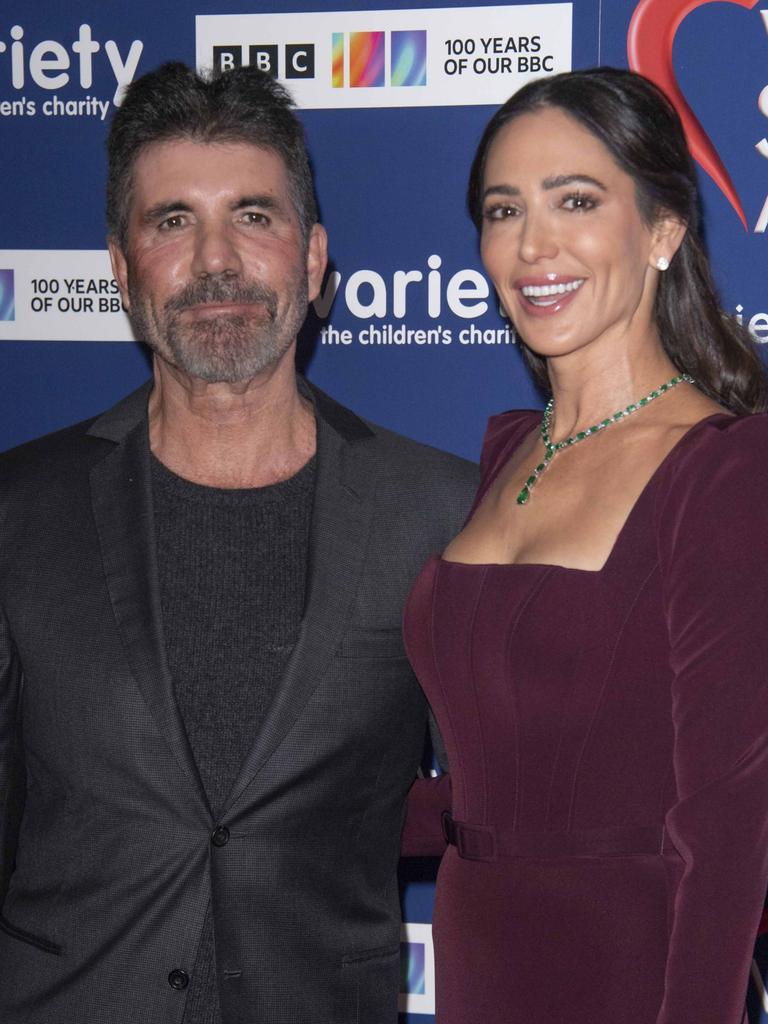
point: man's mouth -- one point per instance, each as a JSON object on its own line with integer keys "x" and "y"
{"x": 214, "y": 297}
{"x": 212, "y": 310}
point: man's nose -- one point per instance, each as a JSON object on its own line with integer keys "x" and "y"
{"x": 216, "y": 251}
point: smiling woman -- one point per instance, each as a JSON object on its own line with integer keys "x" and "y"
{"x": 593, "y": 641}
{"x": 568, "y": 252}
{"x": 625, "y": 120}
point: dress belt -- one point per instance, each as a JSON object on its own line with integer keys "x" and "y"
{"x": 486, "y": 842}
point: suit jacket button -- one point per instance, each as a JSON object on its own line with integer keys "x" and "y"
{"x": 220, "y": 835}
{"x": 178, "y": 979}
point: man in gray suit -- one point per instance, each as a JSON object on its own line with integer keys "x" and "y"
{"x": 207, "y": 722}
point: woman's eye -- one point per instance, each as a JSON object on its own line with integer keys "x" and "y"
{"x": 579, "y": 202}
{"x": 500, "y": 211}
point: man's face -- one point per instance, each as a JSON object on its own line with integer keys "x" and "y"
{"x": 215, "y": 274}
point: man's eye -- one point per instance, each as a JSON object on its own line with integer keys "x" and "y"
{"x": 255, "y": 217}
{"x": 171, "y": 223}
{"x": 500, "y": 211}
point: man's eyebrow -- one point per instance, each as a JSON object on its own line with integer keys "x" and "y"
{"x": 266, "y": 202}
{"x": 162, "y": 210}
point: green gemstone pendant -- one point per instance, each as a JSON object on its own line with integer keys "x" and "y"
{"x": 551, "y": 448}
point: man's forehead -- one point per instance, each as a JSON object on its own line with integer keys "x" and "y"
{"x": 196, "y": 161}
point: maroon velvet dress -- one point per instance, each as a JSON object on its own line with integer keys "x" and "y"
{"x": 607, "y": 735}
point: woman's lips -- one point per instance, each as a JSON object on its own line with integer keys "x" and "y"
{"x": 548, "y": 296}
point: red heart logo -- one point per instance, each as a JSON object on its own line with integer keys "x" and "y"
{"x": 649, "y": 49}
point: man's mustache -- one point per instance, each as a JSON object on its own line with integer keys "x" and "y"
{"x": 212, "y": 289}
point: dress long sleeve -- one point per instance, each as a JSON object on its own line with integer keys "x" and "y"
{"x": 607, "y": 733}
{"x": 713, "y": 551}
{"x": 423, "y": 832}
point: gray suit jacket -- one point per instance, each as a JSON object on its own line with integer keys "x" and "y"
{"x": 110, "y": 853}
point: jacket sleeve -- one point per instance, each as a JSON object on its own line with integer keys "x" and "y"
{"x": 423, "y": 831}
{"x": 12, "y": 780}
{"x": 712, "y": 532}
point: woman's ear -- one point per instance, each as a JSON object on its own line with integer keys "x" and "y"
{"x": 668, "y": 234}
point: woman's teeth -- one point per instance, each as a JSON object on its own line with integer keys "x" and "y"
{"x": 547, "y": 294}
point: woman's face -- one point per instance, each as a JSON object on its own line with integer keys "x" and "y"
{"x": 563, "y": 239}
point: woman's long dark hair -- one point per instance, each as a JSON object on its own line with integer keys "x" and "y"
{"x": 640, "y": 128}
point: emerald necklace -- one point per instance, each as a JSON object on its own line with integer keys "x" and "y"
{"x": 551, "y": 448}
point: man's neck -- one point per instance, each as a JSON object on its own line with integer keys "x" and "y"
{"x": 249, "y": 434}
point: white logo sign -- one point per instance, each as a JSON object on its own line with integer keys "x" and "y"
{"x": 60, "y": 295}
{"x": 418, "y": 957}
{"x": 50, "y": 65}
{"x": 413, "y": 58}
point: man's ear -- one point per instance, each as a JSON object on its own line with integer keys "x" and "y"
{"x": 119, "y": 269}
{"x": 317, "y": 259}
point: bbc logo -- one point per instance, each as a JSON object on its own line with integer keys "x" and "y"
{"x": 298, "y": 59}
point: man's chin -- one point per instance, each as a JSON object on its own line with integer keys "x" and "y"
{"x": 223, "y": 363}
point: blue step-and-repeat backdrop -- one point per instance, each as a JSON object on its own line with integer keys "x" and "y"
{"x": 407, "y": 330}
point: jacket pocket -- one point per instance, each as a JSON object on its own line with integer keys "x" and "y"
{"x": 31, "y": 940}
{"x": 373, "y": 978}
{"x": 380, "y": 953}
{"x": 371, "y": 643}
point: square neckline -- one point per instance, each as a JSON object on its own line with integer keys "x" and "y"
{"x": 506, "y": 455}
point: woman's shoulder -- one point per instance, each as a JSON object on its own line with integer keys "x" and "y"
{"x": 716, "y": 473}
{"x": 507, "y": 422}
{"x": 722, "y": 441}
{"x": 503, "y": 433}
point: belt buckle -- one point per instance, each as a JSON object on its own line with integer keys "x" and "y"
{"x": 476, "y": 842}
{"x": 472, "y": 842}
{"x": 448, "y": 827}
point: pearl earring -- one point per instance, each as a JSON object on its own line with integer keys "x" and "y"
{"x": 662, "y": 263}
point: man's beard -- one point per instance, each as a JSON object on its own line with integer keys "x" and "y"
{"x": 226, "y": 348}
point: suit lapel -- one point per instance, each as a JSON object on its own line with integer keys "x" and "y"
{"x": 341, "y": 520}
{"x": 121, "y": 495}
